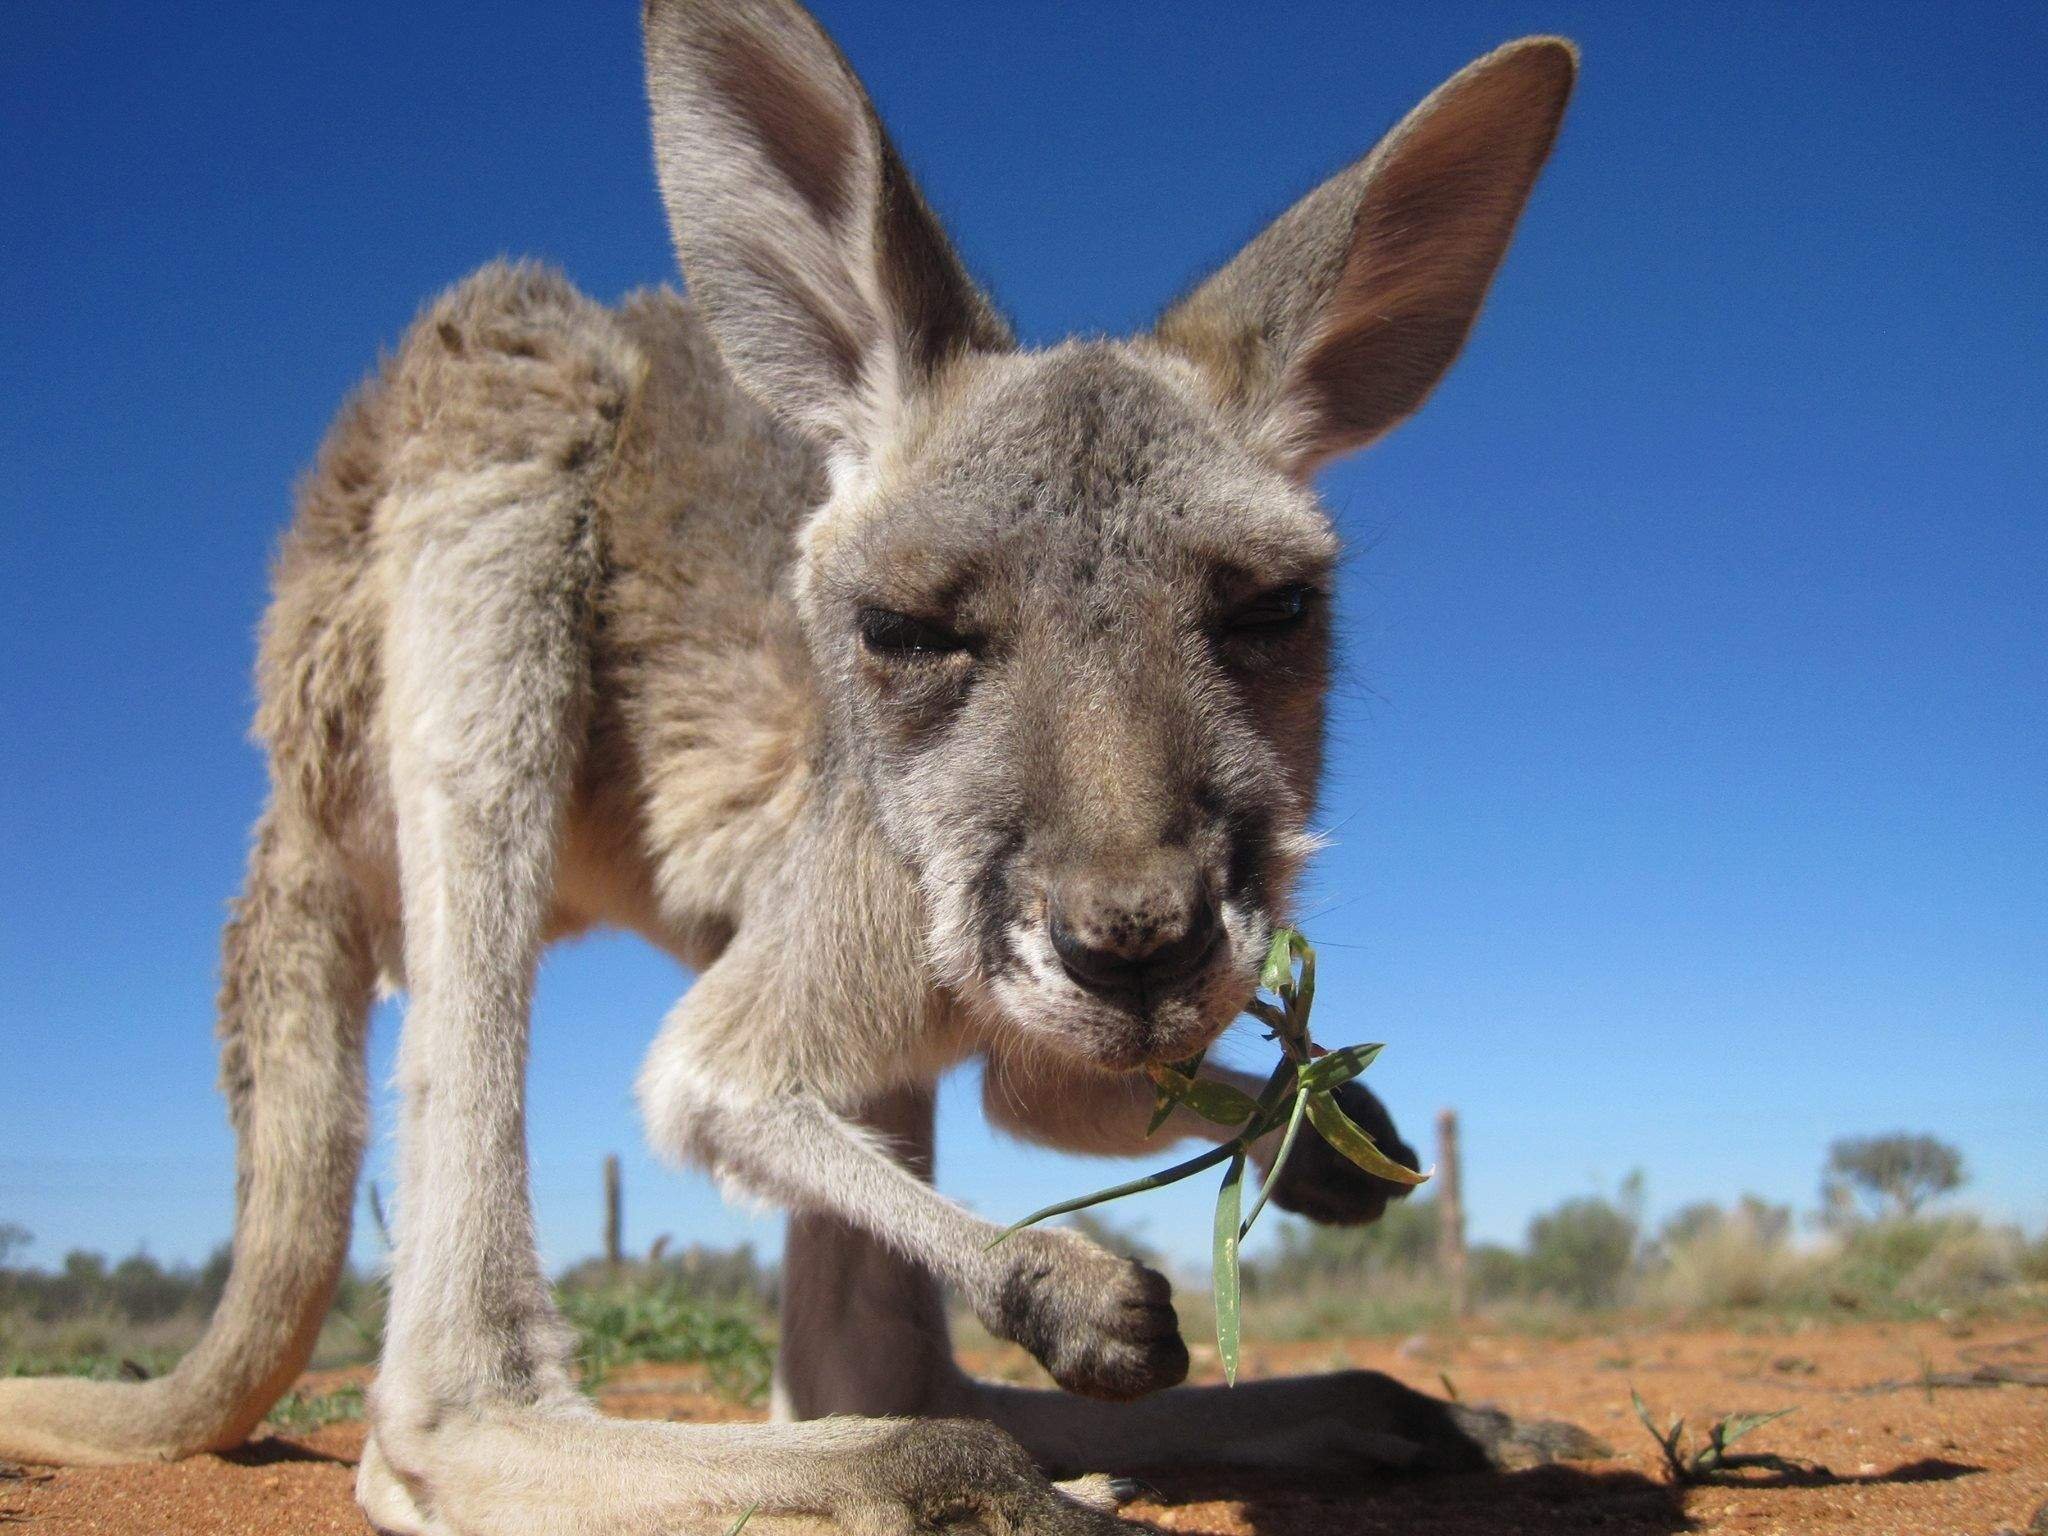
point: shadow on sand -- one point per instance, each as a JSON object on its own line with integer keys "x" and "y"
{"x": 1526, "y": 1503}
{"x": 273, "y": 1450}
{"x": 1540, "y": 1501}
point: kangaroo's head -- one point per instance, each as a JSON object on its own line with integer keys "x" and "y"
{"x": 1070, "y": 608}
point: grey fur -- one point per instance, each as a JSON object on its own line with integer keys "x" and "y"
{"x": 576, "y": 626}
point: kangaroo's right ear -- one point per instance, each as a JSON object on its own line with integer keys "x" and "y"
{"x": 1338, "y": 320}
{"x": 830, "y": 287}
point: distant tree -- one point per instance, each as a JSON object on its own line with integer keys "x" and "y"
{"x": 1583, "y": 1251}
{"x": 142, "y": 1291}
{"x": 1495, "y": 1272}
{"x": 1688, "y": 1224}
{"x": 1893, "y": 1175}
{"x": 13, "y": 1238}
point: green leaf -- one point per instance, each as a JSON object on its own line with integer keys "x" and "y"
{"x": 1736, "y": 1425}
{"x": 1338, "y": 1067}
{"x": 1277, "y": 974}
{"x": 1216, "y": 1102}
{"x": 745, "y": 1515}
{"x": 1171, "y": 1080}
{"x": 1294, "y": 1119}
{"x": 1162, "y": 1107}
{"x": 1229, "y": 1201}
{"x": 1305, "y": 989}
{"x": 1339, "y": 1132}
{"x": 1643, "y": 1413}
{"x": 1219, "y": 1103}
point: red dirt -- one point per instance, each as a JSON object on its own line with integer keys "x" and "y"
{"x": 1940, "y": 1462}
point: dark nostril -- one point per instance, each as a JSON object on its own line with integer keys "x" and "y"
{"x": 1137, "y": 969}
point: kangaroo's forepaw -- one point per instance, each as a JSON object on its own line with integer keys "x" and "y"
{"x": 1103, "y": 1326}
{"x": 1324, "y": 1185}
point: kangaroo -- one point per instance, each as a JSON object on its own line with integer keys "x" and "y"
{"x": 928, "y": 696}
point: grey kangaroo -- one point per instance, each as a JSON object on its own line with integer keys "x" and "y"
{"x": 930, "y": 697}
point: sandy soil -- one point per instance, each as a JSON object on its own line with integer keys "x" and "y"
{"x": 1931, "y": 1462}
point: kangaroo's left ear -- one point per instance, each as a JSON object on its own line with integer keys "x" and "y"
{"x": 829, "y": 285}
{"x": 1336, "y": 322}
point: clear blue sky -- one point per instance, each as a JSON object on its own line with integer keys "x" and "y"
{"x": 1690, "y": 782}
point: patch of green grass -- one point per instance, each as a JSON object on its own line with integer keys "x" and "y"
{"x": 103, "y": 1348}
{"x": 668, "y": 1323}
{"x": 297, "y": 1412}
{"x": 128, "y": 1365}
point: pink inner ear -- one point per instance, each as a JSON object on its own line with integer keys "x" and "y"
{"x": 1440, "y": 202}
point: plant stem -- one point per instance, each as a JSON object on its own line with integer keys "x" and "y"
{"x": 1173, "y": 1175}
{"x": 1272, "y": 1174}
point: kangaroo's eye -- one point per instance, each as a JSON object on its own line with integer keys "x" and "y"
{"x": 888, "y": 633}
{"x": 1281, "y": 608}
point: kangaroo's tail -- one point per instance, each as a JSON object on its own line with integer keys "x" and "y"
{"x": 294, "y": 1005}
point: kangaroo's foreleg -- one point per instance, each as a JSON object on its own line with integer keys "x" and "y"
{"x": 864, "y": 1331}
{"x": 1102, "y": 1325}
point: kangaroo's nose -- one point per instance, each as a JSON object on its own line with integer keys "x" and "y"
{"x": 1133, "y": 935}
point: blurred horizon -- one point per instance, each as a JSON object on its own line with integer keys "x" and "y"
{"x": 1688, "y": 789}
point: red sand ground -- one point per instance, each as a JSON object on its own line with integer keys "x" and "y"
{"x": 1945, "y": 1462}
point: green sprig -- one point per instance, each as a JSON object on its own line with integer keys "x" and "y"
{"x": 1302, "y": 1087}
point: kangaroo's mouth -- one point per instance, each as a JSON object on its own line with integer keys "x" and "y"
{"x": 1128, "y": 1026}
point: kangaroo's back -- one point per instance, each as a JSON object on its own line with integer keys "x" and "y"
{"x": 692, "y": 649}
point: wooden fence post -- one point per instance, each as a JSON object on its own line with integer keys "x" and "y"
{"x": 1450, "y": 1214}
{"x": 614, "y": 1224}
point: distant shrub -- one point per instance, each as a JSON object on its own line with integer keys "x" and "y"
{"x": 1495, "y": 1272}
{"x": 710, "y": 1274}
{"x": 1872, "y": 1258}
{"x": 1583, "y": 1252}
{"x": 1967, "y": 1264}
{"x": 138, "y": 1289}
{"x": 1402, "y": 1242}
{"x": 2034, "y": 1260}
{"x": 1710, "y": 1259}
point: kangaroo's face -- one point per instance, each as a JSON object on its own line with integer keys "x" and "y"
{"x": 1071, "y": 608}
{"x": 1076, "y": 638}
